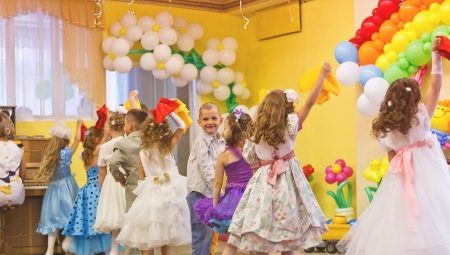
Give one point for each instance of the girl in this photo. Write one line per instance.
(62, 189)
(111, 204)
(217, 212)
(159, 216)
(409, 214)
(12, 166)
(278, 211)
(84, 239)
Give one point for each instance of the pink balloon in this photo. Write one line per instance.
(340, 177)
(340, 162)
(348, 171)
(328, 170)
(330, 178)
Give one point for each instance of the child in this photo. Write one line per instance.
(12, 166)
(278, 211)
(158, 217)
(217, 212)
(62, 189)
(200, 172)
(85, 240)
(409, 214)
(111, 204)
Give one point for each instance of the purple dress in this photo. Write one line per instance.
(219, 217)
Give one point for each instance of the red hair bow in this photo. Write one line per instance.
(102, 115)
(163, 108)
(444, 48)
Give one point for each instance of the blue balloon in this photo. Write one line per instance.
(368, 72)
(346, 51)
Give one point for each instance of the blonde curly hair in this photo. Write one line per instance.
(154, 135)
(90, 144)
(116, 121)
(51, 158)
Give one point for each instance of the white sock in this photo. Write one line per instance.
(51, 239)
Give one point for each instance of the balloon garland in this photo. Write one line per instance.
(339, 173)
(375, 172)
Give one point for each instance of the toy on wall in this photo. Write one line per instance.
(375, 172)
(440, 123)
(308, 171)
(330, 86)
(339, 173)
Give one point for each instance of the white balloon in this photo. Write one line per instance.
(128, 19)
(179, 82)
(160, 74)
(227, 57)
(253, 111)
(222, 125)
(210, 57)
(189, 72)
(208, 74)
(115, 29)
(238, 89)
(168, 36)
(174, 64)
(164, 19)
(107, 42)
(185, 42)
(147, 61)
(146, 23)
(238, 77)
(348, 73)
(120, 47)
(222, 93)
(366, 107)
(212, 43)
(179, 22)
(230, 43)
(204, 88)
(375, 89)
(108, 63)
(123, 64)
(246, 94)
(150, 40)
(134, 33)
(162, 53)
(225, 76)
(195, 30)
(243, 108)
(130, 43)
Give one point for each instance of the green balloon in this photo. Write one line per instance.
(426, 37)
(440, 30)
(416, 53)
(311, 178)
(393, 73)
(412, 69)
(403, 63)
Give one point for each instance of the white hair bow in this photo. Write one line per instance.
(120, 109)
(292, 96)
(61, 131)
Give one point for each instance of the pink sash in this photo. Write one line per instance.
(277, 166)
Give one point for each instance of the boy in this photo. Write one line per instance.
(201, 170)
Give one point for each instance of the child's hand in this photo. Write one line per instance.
(436, 43)
(133, 95)
(79, 123)
(326, 70)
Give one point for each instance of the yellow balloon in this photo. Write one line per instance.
(412, 35)
(387, 47)
(375, 164)
(367, 174)
(392, 56)
(434, 7)
(422, 22)
(375, 177)
(336, 168)
(383, 61)
(400, 41)
(445, 12)
(435, 18)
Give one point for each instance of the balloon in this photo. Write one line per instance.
(160, 74)
(238, 89)
(185, 42)
(387, 31)
(179, 22)
(189, 72)
(399, 41)
(416, 53)
(162, 53)
(195, 30)
(407, 11)
(227, 57)
(445, 12)
(222, 92)
(421, 22)
(368, 28)
(120, 47)
(376, 89)
(310, 178)
(253, 111)
(128, 19)
(340, 177)
(147, 61)
(347, 171)
(146, 23)
(348, 73)
(168, 36)
(179, 82)
(174, 64)
(108, 63)
(230, 43)
(238, 77)
(441, 30)
(336, 168)
(383, 62)
(329, 170)
(393, 73)
(212, 43)
(346, 51)
(386, 8)
(123, 64)
(107, 43)
(368, 72)
(366, 107)
(204, 88)
(210, 57)
(245, 94)
(330, 178)
(164, 19)
(115, 28)
(225, 76)
(134, 33)
(208, 74)
(340, 162)
(150, 40)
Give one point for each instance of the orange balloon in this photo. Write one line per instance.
(400, 25)
(395, 18)
(407, 12)
(368, 53)
(375, 37)
(429, 2)
(378, 44)
(415, 2)
(387, 30)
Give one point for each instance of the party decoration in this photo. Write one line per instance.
(375, 172)
(347, 73)
(338, 172)
(183, 112)
(366, 107)
(308, 171)
(330, 86)
(444, 48)
(346, 51)
(368, 72)
(164, 107)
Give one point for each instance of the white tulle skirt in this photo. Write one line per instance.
(388, 225)
(159, 216)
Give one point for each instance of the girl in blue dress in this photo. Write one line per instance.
(62, 189)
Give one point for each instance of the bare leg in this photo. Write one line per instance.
(229, 250)
(147, 252)
(165, 250)
(51, 239)
(288, 253)
(67, 243)
(114, 244)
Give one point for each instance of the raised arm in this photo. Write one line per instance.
(218, 178)
(432, 96)
(77, 139)
(180, 128)
(312, 98)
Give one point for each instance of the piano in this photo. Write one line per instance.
(21, 222)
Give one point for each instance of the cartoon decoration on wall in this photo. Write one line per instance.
(165, 46)
(440, 123)
(339, 172)
(394, 42)
(374, 173)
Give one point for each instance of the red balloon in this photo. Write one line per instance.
(377, 20)
(386, 8)
(375, 12)
(367, 30)
(348, 171)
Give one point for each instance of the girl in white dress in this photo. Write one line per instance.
(111, 204)
(410, 212)
(159, 217)
(11, 165)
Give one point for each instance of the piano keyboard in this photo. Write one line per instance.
(39, 186)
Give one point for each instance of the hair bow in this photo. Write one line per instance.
(444, 48)
(120, 109)
(237, 114)
(163, 108)
(292, 96)
(61, 131)
(102, 115)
